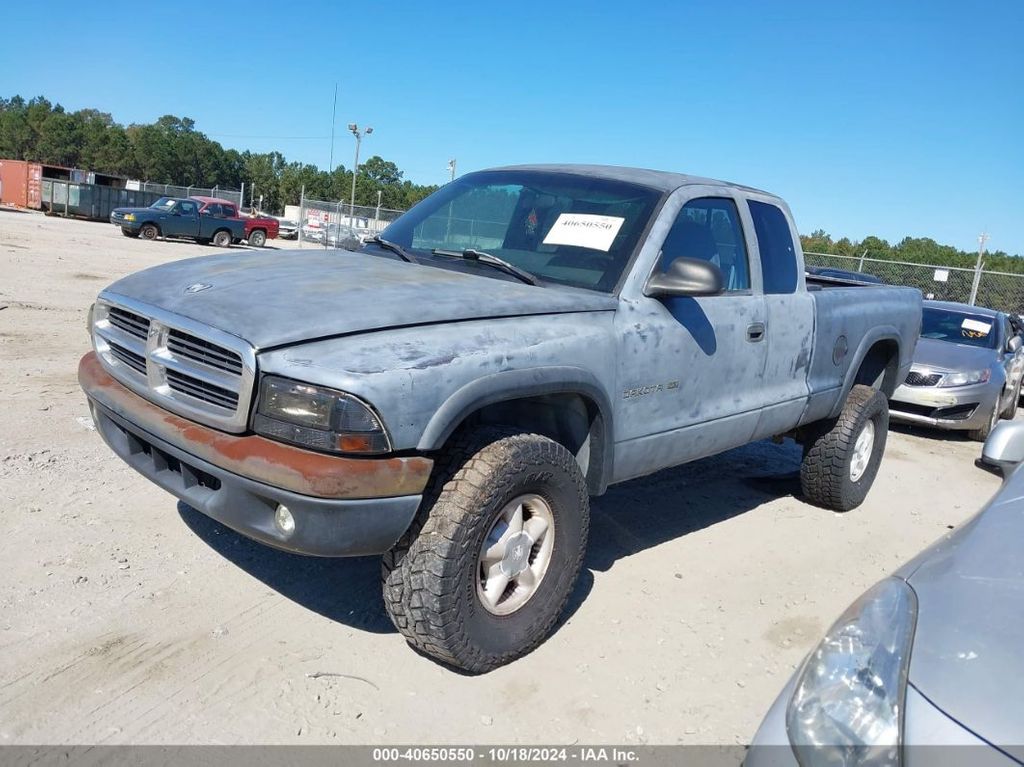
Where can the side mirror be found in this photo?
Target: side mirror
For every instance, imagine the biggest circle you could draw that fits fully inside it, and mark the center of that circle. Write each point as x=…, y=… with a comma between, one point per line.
x=1004, y=448
x=1014, y=344
x=686, y=277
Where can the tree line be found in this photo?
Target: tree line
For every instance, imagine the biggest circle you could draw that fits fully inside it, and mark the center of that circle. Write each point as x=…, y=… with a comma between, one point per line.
x=172, y=151
x=914, y=250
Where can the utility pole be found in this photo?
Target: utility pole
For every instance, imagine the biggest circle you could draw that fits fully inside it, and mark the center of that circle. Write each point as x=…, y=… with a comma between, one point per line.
x=355, y=169
x=451, y=169
x=982, y=239
x=334, y=115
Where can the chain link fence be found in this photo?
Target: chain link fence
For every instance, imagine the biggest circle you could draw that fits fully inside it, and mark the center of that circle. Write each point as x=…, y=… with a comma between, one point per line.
x=328, y=223
x=1003, y=291
x=172, y=190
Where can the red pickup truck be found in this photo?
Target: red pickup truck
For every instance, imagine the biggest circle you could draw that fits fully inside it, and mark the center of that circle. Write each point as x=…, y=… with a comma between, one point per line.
x=258, y=229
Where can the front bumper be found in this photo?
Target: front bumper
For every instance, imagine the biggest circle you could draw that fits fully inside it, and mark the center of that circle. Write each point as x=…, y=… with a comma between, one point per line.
x=341, y=506
x=958, y=407
x=129, y=225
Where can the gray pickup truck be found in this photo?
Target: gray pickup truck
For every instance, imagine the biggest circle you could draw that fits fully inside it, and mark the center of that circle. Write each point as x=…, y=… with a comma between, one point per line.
x=452, y=395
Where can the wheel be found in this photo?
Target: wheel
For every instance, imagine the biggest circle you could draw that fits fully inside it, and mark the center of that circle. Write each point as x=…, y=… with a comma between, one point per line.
x=841, y=456
x=128, y=232
x=222, y=239
x=257, y=238
x=487, y=566
x=980, y=435
x=1011, y=406
x=149, y=232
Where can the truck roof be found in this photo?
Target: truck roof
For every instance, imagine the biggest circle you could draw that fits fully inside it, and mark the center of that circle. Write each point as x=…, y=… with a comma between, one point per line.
x=209, y=200
x=661, y=180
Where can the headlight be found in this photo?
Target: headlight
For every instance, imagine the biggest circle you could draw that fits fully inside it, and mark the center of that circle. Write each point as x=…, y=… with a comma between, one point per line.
x=847, y=706
x=966, y=378
x=129, y=216
x=316, y=417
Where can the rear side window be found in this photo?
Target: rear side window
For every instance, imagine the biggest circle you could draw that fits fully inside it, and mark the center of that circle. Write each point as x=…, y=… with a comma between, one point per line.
x=778, y=256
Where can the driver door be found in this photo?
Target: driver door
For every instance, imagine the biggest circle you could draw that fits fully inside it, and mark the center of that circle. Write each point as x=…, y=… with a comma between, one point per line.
x=690, y=368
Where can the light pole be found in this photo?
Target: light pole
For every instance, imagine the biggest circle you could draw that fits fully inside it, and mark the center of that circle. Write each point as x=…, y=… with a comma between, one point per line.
x=355, y=170
x=451, y=169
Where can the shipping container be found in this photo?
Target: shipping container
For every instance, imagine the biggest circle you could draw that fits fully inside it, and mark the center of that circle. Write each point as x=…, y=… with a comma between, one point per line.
x=94, y=201
x=21, y=183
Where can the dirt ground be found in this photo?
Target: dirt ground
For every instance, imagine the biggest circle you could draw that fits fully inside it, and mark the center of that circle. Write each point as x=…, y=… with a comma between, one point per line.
x=125, y=618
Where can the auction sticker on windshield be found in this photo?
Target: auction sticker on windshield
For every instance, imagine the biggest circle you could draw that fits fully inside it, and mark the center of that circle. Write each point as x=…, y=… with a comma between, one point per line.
x=584, y=230
x=975, y=326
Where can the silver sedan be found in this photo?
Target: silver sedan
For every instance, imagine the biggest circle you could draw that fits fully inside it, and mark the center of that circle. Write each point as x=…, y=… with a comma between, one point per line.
x=967, y=370
x=928, y=657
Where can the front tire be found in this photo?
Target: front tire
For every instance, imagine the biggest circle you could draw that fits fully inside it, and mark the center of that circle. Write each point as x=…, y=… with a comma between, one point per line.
x=842, y=456
x=980, y=435
x=485, y=571
x=149, y=232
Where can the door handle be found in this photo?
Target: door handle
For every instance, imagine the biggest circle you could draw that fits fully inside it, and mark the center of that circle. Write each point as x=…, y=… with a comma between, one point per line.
x=755, y=332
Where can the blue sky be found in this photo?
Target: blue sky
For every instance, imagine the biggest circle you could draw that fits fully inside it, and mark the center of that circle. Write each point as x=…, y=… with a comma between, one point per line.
x=887, y=118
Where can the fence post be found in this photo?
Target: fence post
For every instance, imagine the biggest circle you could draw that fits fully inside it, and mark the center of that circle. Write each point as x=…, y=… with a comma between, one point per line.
x=976, y=283
x=860, y=264
x=302, y=212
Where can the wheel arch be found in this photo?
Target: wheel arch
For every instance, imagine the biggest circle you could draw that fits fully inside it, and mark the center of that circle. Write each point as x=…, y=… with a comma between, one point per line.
x=566, y=404
x=876, y=363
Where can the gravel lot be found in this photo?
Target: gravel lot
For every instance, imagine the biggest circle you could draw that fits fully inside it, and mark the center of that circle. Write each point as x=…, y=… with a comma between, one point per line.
x=125, y=618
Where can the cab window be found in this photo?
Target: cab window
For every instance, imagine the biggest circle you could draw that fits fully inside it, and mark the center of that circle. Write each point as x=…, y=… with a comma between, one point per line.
x=709, y=228
x=187, y=208
x=778, y=256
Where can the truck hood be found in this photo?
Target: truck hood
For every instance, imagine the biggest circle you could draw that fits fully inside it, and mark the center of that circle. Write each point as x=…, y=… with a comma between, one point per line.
x=966, y=656
x=276, y=298
x=131, y=210
x=944, y=355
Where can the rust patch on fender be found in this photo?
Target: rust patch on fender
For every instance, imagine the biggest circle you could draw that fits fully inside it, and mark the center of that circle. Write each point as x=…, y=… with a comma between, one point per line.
x=273, y=463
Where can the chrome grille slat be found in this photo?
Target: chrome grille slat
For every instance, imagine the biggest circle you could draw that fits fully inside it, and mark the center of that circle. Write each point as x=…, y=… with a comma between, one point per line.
x=135, y=361
x=202, y=390
x=189, y=368
x=203, y=351
x=129, y=322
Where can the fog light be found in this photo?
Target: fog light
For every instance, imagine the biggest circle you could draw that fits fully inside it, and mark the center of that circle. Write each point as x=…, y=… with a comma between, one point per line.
x=284, y=520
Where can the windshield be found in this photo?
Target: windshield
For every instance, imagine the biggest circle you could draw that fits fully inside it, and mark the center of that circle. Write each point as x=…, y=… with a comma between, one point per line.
x=164, y=203
x=562, y=228
x=959, y=327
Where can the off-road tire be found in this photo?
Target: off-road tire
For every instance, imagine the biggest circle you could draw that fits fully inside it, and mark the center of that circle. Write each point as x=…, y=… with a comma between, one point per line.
x=430, y=576
x=149, y=232
x=829, y=450
x=128, y=232
x=257, y=238
x=980, y=435
x=222, y=239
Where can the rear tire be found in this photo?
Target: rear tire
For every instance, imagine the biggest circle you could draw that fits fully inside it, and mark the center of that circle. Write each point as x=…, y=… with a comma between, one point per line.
x=258, y=238
x=222, y=239
x=149, y=232
x=462, y=585
x=842, y=456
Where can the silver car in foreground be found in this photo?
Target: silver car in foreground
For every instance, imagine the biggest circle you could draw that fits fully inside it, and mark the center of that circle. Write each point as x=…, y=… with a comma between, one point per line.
x=928, y=658
x=967, y=370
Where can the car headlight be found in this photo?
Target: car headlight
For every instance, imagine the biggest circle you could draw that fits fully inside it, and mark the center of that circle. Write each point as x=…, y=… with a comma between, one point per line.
x=847, y=705
x=129, y=216
x=317, y=417
x=966, y=378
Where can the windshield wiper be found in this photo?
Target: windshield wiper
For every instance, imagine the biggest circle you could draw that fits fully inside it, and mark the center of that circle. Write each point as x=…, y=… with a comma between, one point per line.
x=395, y=248
x=486, y=258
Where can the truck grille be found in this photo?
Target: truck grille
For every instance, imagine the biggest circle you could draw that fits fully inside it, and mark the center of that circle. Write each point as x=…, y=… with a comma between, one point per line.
x=198, y=372
x=129, y=322
x=186, y=345
x=915, y=378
